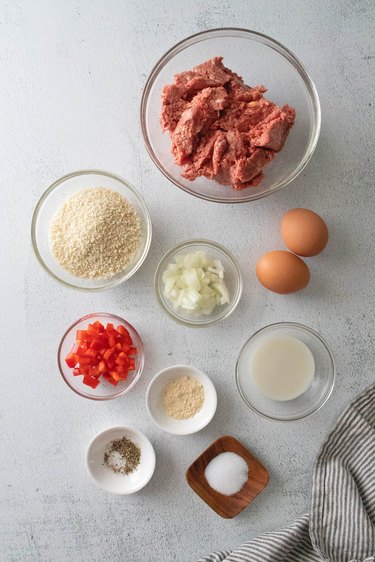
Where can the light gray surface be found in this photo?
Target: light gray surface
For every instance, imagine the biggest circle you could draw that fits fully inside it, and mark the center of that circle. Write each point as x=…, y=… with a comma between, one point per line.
x=71, y=78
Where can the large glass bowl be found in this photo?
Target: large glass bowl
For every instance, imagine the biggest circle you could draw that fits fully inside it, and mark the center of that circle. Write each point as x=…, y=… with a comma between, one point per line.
x=232, y=278
x=105, y=390
x=308, y=402
x=259, y=60
x=56, y=195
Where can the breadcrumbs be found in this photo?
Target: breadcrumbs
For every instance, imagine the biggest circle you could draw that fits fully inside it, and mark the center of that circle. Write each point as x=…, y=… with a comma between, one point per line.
x=95, y=234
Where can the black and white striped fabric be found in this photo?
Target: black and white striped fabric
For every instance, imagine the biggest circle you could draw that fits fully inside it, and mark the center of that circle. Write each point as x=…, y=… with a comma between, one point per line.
x=341, y=524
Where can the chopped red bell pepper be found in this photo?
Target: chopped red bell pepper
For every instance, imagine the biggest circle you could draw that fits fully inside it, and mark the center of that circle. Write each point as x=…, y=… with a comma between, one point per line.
x=109, y=379
x=96, y=344
x=115, y=375
x=81, y=335
x=102, y=352
x=91, y=381
x=102, y=367
x=122, y=359
x=71, y=360
x=99, y=326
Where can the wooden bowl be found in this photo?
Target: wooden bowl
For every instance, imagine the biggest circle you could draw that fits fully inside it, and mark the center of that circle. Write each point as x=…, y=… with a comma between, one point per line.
x=227, y=506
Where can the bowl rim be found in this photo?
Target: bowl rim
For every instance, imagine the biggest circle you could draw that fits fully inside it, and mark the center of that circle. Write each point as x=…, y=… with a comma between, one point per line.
x=262, y=38
x=301, y=327
x=197, y=242
x=126, y=429
x=141, y=356
x=212, y=391
x=145, y=211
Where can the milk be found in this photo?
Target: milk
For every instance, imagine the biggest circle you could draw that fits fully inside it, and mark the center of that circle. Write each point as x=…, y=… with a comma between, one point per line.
x=282, y=367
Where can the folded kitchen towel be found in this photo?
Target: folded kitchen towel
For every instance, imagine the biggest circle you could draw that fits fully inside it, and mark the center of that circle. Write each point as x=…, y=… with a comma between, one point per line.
x=340, y=526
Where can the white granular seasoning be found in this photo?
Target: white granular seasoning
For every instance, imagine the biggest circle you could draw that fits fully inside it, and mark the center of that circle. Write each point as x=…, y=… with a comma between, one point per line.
x=227, y=473
x=95, y=234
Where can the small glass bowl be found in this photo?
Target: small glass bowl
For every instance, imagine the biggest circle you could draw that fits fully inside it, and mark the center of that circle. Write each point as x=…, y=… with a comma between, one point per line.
x=56, y=195
x=259, y=60
x=232, y=278
x=310, y=401
x=104, y=390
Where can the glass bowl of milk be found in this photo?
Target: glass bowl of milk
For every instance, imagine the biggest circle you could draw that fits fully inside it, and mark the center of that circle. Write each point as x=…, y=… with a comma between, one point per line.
x=285, y=371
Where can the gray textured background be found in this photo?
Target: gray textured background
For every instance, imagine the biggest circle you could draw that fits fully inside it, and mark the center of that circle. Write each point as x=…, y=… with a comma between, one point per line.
x=71, y=78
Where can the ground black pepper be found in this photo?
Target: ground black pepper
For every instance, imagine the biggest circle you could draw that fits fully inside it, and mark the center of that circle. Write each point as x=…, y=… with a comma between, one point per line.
x=122, y=456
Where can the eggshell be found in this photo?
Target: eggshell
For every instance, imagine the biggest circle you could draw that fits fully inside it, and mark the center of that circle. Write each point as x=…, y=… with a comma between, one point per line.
x=282, y=272
x=304, y=232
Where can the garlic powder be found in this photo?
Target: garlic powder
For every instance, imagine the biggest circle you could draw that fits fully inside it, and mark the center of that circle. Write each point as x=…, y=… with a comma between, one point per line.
x=183, y=398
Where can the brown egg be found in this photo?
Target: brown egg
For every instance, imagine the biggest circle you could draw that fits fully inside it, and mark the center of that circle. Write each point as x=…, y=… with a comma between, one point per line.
x=282, y=272
x=304, y=232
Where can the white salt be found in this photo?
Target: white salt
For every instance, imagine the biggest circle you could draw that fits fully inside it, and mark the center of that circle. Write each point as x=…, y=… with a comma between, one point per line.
x=227, y=473
x=116, y=461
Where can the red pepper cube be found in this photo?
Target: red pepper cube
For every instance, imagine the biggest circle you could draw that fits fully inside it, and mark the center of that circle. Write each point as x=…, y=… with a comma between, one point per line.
x=99, y=326
x=115, y=375
x=81, y=335
x=131, y=364
x=96, y=344
x=94, y=371
x=122, y=330
x=94, y=332
x=126, y=339
x=122, y=359
x=108, y=378
x=71, y=360
x=77, y=372
x=103, y=338
x=91, y=353
x=90, y=381
x=133, y=350
x=81, y=349
x=102, y=367
x=107, y=354
x=111, y=364
x=111, y=341
x=85, y=360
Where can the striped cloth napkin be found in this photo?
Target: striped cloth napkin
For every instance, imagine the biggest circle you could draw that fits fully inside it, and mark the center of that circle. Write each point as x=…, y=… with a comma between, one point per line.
x=341, y=524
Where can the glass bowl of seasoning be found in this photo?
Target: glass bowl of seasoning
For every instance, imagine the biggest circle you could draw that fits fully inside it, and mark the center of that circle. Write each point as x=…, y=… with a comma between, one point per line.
x=101, y=356
x=198, y=283
x=91, y=230
x=262, y=62
x=120, y=460
x=181, y=400
x=285, y=372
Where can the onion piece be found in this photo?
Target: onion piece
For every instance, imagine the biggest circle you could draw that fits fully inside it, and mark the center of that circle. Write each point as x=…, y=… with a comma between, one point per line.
x=195, y=283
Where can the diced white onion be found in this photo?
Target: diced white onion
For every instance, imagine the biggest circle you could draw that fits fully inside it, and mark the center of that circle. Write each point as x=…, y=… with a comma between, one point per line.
x=195, y=283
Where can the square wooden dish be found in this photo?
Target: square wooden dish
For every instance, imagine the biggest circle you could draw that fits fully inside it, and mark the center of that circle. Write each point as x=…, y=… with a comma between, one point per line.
x=227, y=506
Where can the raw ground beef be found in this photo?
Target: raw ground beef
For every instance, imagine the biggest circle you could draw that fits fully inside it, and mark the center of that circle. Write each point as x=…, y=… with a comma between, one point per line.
x=221, y=128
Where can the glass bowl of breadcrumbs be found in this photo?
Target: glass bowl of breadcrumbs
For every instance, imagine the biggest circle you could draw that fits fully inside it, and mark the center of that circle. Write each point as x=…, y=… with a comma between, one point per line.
x=91, y=230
